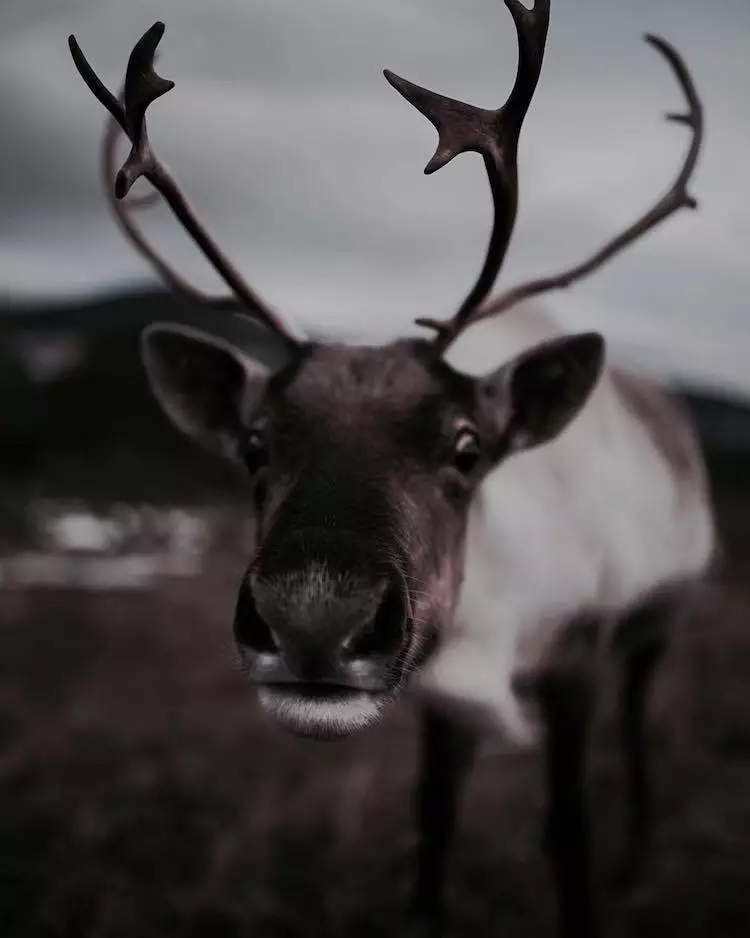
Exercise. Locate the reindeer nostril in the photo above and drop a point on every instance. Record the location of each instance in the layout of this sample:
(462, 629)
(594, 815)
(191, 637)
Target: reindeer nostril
(250, 628)
(385, 635)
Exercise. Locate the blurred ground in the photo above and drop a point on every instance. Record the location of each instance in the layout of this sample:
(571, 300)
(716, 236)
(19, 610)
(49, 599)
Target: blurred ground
(142, 795)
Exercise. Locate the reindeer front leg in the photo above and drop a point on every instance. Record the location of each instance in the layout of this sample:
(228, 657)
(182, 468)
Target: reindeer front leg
(566, 698)
(640, 643)
(447, 754)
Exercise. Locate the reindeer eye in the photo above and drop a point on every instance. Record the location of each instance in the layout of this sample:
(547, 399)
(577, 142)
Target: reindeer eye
(254, 453)
(466, 451)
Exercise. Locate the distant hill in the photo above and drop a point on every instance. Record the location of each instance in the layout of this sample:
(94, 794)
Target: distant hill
(77, 417)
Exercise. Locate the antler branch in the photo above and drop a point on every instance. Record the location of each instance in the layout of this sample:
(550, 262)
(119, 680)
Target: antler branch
(493, 134)
(142, 87)
(671, 202)
(123, 211)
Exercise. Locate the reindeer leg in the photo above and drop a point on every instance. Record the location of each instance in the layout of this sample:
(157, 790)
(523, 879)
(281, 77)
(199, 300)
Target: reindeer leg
(447, 754)
(637, 680)
(566, 698)
(644, 639)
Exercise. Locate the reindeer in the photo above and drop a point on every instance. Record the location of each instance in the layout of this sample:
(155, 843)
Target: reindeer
(481, 541)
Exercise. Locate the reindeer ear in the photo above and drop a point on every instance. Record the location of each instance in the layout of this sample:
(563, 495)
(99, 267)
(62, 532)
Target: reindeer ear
(543, 389)
(204, 384)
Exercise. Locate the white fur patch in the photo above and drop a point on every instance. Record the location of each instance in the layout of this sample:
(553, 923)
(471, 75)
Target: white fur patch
(589, 523)
(320, 717)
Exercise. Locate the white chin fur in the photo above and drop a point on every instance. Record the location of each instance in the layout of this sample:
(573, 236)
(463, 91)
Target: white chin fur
(325, 719)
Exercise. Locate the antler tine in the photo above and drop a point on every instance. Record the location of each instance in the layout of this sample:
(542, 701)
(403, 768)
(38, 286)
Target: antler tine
(671, 202)
(493, 134)
(123, 210)
(142, 87)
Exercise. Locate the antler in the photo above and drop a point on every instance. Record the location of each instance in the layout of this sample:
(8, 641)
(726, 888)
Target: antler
(494, 134)
(142, 87)
(123, 210)
(672, 201)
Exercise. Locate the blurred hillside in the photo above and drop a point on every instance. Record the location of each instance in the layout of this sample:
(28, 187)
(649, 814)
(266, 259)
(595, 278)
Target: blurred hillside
(78, 417)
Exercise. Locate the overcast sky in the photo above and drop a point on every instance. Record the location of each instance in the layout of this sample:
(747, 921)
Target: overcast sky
(308, 167)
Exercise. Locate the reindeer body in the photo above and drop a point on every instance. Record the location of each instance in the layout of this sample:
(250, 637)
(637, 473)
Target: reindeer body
(609, 513)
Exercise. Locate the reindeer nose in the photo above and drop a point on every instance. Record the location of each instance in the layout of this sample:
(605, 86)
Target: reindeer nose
(310, 626)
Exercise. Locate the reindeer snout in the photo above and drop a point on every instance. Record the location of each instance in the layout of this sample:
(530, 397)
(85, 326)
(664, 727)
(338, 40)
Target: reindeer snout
(317, 625)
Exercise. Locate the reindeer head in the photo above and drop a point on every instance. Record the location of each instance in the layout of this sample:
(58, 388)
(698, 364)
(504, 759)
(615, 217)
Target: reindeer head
(362, 462)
